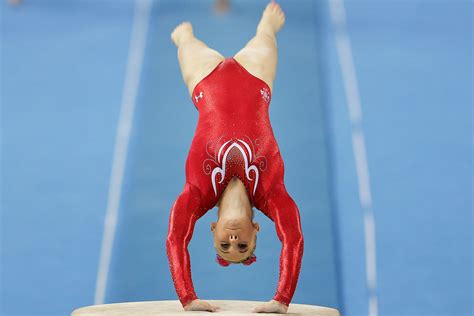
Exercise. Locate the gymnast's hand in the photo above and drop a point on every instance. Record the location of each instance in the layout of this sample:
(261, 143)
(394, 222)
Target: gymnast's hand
(271, 307)
(198, 305)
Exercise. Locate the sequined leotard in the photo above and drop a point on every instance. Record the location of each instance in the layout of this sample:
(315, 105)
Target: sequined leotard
(234, 138)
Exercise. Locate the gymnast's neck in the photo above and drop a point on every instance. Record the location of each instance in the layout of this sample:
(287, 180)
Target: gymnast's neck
(234, 201)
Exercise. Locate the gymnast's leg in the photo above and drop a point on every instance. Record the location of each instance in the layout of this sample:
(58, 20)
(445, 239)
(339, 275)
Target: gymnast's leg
(260, 54)
(196, 59)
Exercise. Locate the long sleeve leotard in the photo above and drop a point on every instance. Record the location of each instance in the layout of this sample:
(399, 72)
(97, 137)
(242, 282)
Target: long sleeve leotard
(234, 138)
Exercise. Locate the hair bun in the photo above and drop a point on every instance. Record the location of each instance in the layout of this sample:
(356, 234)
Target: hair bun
(250, 260)
(222, 261)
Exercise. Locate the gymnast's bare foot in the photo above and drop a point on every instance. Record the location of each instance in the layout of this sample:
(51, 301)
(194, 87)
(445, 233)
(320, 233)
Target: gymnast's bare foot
(272, 20)
(221, 6)
(198, 305)
(182, 31)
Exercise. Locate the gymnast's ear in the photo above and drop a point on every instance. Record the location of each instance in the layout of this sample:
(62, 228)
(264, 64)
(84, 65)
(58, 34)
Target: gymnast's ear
(256, 226)
(213, 226)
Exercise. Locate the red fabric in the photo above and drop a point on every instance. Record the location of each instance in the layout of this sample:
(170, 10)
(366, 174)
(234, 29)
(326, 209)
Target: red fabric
(234, 137)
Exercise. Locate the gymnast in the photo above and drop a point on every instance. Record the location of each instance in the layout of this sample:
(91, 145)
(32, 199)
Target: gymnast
(234, 162)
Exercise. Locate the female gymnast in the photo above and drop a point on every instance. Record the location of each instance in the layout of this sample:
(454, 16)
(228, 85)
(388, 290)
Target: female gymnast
(234, 162)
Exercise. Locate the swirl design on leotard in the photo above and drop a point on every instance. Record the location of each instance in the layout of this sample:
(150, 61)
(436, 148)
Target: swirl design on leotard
(215, 164)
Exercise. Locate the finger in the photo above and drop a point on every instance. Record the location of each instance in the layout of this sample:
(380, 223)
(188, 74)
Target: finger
(211, 308)
(257, 309)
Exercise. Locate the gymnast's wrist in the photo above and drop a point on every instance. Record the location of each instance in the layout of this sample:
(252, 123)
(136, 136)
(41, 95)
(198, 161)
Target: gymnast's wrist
(281, 299)
(188, 299)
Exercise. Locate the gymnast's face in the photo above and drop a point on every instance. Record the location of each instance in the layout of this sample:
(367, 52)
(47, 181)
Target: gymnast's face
(235, 239)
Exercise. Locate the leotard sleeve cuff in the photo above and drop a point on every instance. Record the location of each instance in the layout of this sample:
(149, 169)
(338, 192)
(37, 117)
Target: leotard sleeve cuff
(282, 299)
(185, 300)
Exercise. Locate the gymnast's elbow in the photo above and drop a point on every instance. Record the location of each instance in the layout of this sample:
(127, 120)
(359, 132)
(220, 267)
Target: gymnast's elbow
(294, 240)
(299, 240)
(174, 240)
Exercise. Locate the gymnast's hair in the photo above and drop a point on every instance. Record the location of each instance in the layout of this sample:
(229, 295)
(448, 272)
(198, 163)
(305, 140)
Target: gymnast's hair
(246, 261)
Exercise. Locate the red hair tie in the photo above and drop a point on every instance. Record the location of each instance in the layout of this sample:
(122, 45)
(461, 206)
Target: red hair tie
(250, 260)
(226, 263)
(222, 261)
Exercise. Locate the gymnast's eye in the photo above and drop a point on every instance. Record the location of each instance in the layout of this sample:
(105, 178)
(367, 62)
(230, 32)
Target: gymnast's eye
(242, 246)
(225, 246)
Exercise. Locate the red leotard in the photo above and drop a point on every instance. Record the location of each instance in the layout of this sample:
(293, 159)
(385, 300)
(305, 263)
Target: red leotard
(234, 138)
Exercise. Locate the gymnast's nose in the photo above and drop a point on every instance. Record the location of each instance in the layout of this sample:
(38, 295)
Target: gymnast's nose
(233, 237)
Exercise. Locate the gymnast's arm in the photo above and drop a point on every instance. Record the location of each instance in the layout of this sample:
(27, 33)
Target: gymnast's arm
(183, 217)
(286, 217)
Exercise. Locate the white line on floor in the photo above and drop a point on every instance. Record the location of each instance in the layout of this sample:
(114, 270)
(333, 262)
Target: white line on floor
(343, 45)
(129, 96)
